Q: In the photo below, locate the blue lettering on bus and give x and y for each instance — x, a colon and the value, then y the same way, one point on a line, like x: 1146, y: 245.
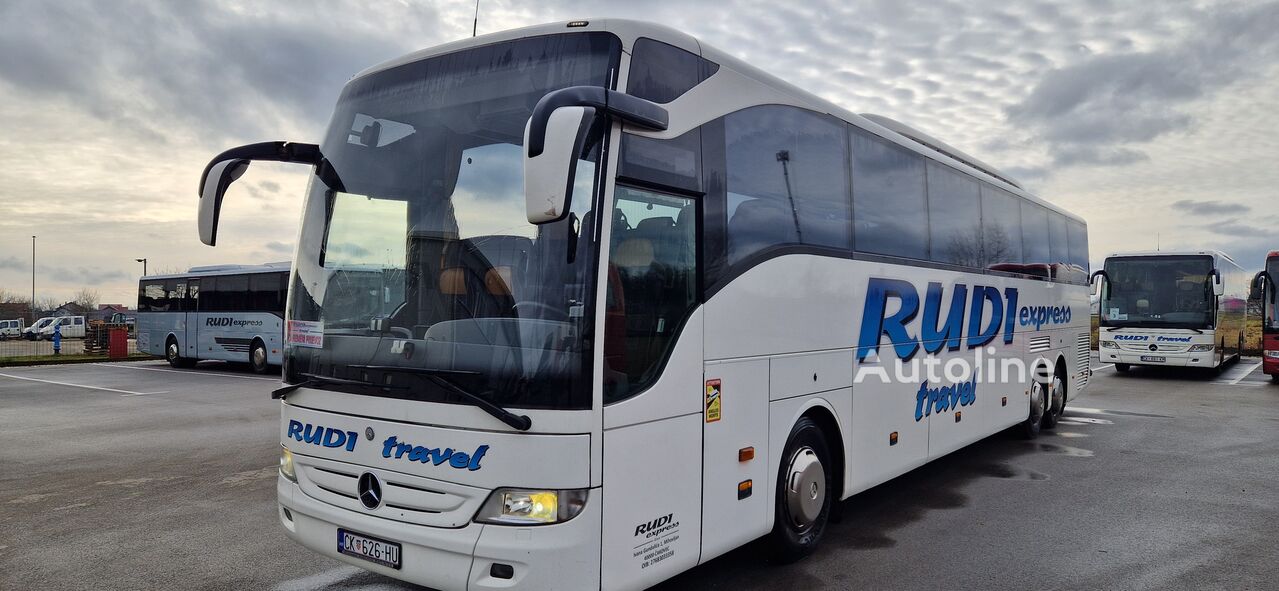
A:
x: 433, y: 455
x: 944, y: 398
x: 1041, y: 315
x: 1163, y: 339
x: 1132, y: 337
x: 321, y: 436
x: 876, y: 323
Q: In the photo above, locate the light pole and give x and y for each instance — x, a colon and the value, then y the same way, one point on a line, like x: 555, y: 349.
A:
x: 144, y: 265
x: 33, y: 278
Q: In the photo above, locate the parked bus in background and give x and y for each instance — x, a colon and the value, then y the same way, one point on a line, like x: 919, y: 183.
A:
x: 684, y: 327
x: 1180, y: 309
x: 1264, y: 287
x: 226, y: 312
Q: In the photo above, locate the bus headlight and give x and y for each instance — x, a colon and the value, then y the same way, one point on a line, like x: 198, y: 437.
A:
x: 517, y: 506
x: 286, y: 464
x: 1199, y: 348
x: 1272, y: 354
x: 1109, y: 345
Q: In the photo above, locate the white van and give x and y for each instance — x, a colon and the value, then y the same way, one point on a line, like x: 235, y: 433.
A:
x: 72, y: 328
x: 12, y: 329
x: 32, y: 332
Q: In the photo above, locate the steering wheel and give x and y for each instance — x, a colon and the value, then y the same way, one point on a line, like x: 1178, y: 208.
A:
x: 541, y: 306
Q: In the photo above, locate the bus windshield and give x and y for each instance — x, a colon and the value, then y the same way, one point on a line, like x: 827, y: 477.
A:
x: 418, y: 273
x: 1159, y: 292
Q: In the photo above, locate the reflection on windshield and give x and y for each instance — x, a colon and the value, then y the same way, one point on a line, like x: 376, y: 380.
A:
x: 425, y: 258
x: 1159, y: 292
x: 1272, y: 303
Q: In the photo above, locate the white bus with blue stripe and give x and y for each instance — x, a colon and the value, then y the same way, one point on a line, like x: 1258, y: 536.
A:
x: 641, y: 303
x: 224, y: 312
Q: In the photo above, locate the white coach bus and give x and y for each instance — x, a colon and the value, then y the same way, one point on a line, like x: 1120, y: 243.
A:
x: 1182, y: 309
x: 222, y: 312
x: 653, y: 303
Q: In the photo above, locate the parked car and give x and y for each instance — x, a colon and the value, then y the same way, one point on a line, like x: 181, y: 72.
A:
x: 72, y: 328
x: 32, y: 332
x: 12, y: 329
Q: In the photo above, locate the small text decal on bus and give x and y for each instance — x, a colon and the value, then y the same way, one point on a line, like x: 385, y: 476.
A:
x: 325, y: 436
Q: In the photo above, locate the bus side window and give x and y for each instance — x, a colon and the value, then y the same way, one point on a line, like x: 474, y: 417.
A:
x: 954, y: 217
x: 1034, y: 237
x: 1001, y: 227
x: 888, y: 198
x: 662, y: 73
x: 787, y: 181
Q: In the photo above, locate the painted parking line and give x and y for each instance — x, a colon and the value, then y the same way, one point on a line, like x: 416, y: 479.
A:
x: 189, y: 372
x: 121, y: 392
x: 1244, y: 374
x: 1101, y: 367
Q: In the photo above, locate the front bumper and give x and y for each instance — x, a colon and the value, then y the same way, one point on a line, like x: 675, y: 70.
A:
x: 561, y: 556
x: 1182, y: 359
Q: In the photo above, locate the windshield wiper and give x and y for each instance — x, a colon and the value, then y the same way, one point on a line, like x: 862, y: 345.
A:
x: 319, y: 380
x: 519, y: 422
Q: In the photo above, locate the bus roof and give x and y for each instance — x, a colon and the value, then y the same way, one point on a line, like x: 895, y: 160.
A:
x: 628, y: 31
x: 213, y: 270
x: 1216, y: 254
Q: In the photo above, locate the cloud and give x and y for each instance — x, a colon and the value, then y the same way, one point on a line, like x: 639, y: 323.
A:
x: 279, y: 247
x: 1209, y: 207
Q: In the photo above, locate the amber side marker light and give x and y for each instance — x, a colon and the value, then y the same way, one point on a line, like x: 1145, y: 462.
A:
x: 746, y: 454
x: 892, y: 438
x: 743, y: 489
x: 958, y: 416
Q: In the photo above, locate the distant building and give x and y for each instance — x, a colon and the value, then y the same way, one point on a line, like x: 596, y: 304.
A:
x: 17, y: 310
x: 70, y: 309
x: 106, y: 311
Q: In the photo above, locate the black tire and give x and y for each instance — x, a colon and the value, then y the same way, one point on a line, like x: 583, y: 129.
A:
x: 1056, y: 401
x: 1274, y: 377
x: 1034, y: 422
x: 257, y: 357
x: 1122, y: 367
x: 799, y: 522
x: 173, y: 354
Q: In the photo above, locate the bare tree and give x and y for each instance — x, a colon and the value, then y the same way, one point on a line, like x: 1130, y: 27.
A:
x: 87, y: 298
x: 9, y: 297
x: 46, y: 303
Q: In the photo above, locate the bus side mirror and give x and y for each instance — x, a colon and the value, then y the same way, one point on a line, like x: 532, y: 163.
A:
x: 550, y: 172
x: 230, y: 165
x: 1260, y: 283
x: 1218, y: 288
x: 216, y: 182
x: 1099, y: 278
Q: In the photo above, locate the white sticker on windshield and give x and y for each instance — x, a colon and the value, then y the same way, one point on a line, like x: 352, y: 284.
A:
x: 1114, y: 313
x: 304, y: 333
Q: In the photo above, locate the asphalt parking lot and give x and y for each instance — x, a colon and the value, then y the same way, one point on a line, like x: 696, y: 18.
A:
x: 137, y: 476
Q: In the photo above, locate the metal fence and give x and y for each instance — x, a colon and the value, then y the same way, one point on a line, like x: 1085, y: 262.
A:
x: 95, y: 344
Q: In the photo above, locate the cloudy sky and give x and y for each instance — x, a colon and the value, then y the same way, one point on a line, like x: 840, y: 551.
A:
x: 1155, y: 121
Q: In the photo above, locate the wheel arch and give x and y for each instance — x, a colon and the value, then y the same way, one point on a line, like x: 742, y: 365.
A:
x: 820, y: 411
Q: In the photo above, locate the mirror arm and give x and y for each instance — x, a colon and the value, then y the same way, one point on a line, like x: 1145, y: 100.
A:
x: 1099, y: 273
x: 633, y: 110
x: 271, y: 151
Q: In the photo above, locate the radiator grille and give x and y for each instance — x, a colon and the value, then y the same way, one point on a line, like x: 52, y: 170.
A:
x: 411, y: 499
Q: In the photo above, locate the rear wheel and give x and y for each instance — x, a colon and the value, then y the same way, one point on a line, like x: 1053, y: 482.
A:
x: 1122, y: 367
x: 1056, y: 402
x: 173, y: 354
x: 804, y: 493
x: 257, y: 357
x: 1038, y: 407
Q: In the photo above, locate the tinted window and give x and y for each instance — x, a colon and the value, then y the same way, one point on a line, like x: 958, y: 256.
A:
x: 888, y: 198
x: 1077, y: 238
x: 661, y: 72
x: 230, y: 294
x: 1001, y: 227
x: 674, y: 163
x: 151, y: 296
x: 265, y: 292
x: 954, y: 216
x: 1058, y: 246
x: 1034, y: 234
x: 787, y: 182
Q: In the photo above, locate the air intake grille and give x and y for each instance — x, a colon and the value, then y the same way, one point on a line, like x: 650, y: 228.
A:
x: 1040, y: 344
x: 1083, y: 357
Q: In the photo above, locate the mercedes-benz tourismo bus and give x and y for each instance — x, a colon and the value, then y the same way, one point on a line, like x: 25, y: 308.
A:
x: 1183, y: 309
x: 652, y: 304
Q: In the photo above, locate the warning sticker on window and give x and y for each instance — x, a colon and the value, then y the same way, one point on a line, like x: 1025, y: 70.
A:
x: 303, y: 333
x: 712, y: 401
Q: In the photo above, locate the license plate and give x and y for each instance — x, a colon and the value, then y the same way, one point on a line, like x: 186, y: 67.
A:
x: 372, y: 549
x: 1154, y: 358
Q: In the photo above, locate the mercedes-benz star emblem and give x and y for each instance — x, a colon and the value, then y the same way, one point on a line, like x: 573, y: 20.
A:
x: 370, y: 490
x: 1154, y: 347
x: 368, y: 433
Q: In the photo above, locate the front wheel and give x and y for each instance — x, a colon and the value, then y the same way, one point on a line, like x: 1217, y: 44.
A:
x: 257, y: 357
x: 804, y: 493
x: 173, y: 355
